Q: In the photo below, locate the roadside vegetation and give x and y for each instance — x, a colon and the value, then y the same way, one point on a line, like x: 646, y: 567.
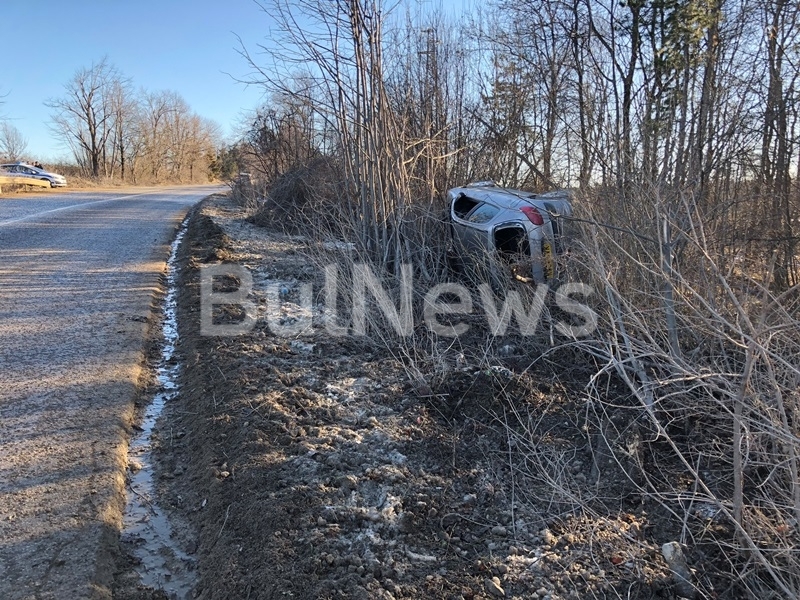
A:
x: 676, y: 123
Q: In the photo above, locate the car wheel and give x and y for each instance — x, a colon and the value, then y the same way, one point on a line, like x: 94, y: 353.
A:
x: 48, y: 180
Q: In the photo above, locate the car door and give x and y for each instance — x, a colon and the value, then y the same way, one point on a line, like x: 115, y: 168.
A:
x: 460, y: 207
x: 475, y: 227
x: 19, y: 171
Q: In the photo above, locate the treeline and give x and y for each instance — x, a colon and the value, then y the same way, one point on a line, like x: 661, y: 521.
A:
x: 116, y: 132
x: 689, y: 102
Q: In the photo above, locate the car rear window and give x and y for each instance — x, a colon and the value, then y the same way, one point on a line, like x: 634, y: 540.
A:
x: 462, y: 205
x: 483, y: 214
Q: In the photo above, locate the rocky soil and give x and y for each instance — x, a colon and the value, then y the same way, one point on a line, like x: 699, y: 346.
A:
x: 350, y: 467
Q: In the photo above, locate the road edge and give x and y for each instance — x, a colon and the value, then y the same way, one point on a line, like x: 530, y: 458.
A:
x: 111, y: 557
x: 124, y: 581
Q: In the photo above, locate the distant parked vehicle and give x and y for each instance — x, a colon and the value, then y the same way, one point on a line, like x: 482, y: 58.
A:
x: 501, y: 227
x: 21, y: 169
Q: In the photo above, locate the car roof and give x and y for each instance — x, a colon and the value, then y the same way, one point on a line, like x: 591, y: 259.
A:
x: 18, y: 164
x: 27, y: 166
x: 556, y: 195
x: 499, y: 196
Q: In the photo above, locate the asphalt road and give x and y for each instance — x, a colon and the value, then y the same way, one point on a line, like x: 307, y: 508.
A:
x: 79, y: 272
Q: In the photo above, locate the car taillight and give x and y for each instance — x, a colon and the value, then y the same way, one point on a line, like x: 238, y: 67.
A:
x: 534, y: 216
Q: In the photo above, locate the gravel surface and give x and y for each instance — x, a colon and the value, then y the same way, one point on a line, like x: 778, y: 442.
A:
x: 315, y: 466
x: 78, y: 279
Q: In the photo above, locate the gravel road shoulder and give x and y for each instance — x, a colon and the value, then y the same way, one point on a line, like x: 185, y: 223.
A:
x: 321, y: 467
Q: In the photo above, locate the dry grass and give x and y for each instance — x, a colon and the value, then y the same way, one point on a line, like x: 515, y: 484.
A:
x: 686, y: 399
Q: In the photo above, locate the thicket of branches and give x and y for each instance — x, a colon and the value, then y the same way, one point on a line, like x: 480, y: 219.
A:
x: 116, y: 132
x: 677, y: 120
x: 694, y: 98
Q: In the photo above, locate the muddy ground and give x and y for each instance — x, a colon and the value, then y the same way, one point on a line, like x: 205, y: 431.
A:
x: 350, y: 467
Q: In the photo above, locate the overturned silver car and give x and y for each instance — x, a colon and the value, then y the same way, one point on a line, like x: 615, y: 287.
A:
x: 521, y: 230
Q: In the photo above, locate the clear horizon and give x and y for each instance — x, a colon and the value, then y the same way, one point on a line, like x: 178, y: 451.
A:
x: 187, y: 47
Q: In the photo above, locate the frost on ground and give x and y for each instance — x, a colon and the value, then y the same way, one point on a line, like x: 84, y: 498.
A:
x: 342, y: 467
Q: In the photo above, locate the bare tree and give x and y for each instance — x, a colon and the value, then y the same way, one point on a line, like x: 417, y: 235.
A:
x: 124, y: 108
x: 351, y: 93
x: 12, y: 142
x: 168, y: 140
x: 84, y: 117
x: 781, y: 19
x: 155, y: 110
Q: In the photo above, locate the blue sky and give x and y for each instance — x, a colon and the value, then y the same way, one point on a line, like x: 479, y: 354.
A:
x: 187, y: 46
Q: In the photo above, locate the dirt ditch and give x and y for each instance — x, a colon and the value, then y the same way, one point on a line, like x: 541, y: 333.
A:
x: 341, y: 467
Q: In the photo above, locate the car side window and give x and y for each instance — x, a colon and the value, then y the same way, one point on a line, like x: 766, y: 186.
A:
x: 462, y: 205
x: 483, y: 214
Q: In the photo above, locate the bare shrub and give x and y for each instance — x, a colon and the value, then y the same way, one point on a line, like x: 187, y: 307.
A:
x: 246, y: 192
x: 709, y: 357
x: 689, y: 400
x: 307, y: 197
